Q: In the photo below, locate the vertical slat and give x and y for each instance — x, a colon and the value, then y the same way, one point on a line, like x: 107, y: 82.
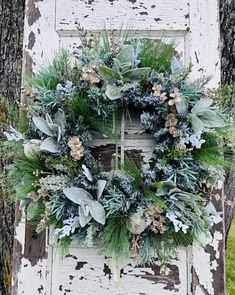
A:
x: 204, y: 39
x: 207, y: 268
x: 40, y: 44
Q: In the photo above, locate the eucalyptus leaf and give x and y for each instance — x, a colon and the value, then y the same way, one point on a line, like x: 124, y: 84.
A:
x: 196, y: 123
x: 97, y: 211
x: 100, y: 187
x: 78, y: 195
x: 83, y: 219
x: 201, y: 105
x: 126, y: 54
x: 136, y: 74
x: 42, y: 125
x: 49, y: 145
x: 108, y: 74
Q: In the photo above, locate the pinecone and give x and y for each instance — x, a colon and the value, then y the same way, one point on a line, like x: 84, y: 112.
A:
x: 77, y: 149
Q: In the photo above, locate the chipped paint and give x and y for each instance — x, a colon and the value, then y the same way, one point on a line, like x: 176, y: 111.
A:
x: 31, y: 40
x: 33, y: 12
x: 138, y: 14
x: 94, y: 274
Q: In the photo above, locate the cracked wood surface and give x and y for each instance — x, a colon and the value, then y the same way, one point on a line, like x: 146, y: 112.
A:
x: 50, y: 25
x: 11, y: 31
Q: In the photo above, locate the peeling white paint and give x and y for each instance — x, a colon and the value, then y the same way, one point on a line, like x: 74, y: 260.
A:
x: 201, y: 263
x: 139, y: 15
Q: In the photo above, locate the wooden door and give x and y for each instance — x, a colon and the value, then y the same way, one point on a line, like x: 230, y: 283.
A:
x: 52, y: 24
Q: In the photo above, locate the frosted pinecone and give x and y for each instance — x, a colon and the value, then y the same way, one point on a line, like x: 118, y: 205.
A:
x: 77, y: 149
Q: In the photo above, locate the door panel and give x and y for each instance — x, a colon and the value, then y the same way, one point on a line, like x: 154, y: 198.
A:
x: 193, y: 26
x: 141, y: 15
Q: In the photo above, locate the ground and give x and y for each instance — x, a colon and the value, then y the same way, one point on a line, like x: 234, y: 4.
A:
x: 230, y: 260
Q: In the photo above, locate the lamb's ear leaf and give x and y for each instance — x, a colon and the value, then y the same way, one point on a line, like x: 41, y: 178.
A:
x: 59, y: 133
x: 83, y: 219
x: 181, y: 106
x: 77, y: 195
x: 113, y: 92
x: 42, y: 125
x: 126, y: 54
x: 196, y: 123
x: 97, y: 211
x: 100, y: 187
x: 49, y: 119
x: 59, y: 118
x: 49, y: 145
x: 202, y: 105
x: 108, y: 74
x: 136, y: 74
x: 211, y: 119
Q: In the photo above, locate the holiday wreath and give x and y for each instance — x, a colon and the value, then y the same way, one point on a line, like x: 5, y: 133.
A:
x: 145, y: 211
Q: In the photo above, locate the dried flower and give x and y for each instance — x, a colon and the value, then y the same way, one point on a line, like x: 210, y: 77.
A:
x: 208, y: 92
x: 89, y: 75
x: 155, y: 213
x: 173, y: 131
x: 171, y: 120
x: 135, y: 248
x: 34, y: 196
x: 176, y: 97
x: 42, y: 193
x: 45, y: 217
x: 157, y: 89
x: 163, y: 97
x: 157, y: 92
x: 77, y: 149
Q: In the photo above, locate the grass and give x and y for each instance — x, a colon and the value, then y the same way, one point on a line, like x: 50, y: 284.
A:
x: 230, y: 260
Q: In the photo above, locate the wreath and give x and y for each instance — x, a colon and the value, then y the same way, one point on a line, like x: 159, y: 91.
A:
x: 142, y: 210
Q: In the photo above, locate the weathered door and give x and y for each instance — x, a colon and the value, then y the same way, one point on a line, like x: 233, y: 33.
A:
x: 52, y: 24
